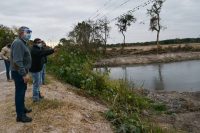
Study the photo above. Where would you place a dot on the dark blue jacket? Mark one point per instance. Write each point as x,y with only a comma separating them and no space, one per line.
20,57
37,55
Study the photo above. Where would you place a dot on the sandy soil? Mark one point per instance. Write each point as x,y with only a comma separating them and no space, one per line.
76,115
154,46
147,59
183,110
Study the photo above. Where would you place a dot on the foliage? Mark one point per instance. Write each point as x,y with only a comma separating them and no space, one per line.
81,34
123,22
72,65
154,12
6,36
67,69
89,34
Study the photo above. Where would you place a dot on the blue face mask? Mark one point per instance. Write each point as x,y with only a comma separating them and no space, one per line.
26,37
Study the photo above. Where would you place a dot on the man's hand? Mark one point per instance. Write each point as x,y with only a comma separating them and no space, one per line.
26,78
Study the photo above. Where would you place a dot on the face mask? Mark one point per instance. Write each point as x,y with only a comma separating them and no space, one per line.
26,37
39,45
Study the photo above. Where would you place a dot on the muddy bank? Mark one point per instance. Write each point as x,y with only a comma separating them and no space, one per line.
182,113
148,59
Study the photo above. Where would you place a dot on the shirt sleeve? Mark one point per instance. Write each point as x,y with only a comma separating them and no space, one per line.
18,55
3,53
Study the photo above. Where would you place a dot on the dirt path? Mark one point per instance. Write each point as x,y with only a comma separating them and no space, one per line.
62,111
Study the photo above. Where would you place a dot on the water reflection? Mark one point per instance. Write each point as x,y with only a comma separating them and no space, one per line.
181,76
158,82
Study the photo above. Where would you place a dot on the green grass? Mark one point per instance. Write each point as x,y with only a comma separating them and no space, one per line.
159,107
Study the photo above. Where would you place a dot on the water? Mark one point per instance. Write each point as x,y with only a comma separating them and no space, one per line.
180,76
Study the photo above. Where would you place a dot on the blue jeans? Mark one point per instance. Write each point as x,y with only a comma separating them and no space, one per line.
42,74
36,85
7,64
20,90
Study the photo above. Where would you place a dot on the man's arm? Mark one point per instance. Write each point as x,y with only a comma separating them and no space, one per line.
46,52
18,55
42,52
3,53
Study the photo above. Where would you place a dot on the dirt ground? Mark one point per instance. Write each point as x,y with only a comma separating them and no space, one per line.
62,111
183,111
153,46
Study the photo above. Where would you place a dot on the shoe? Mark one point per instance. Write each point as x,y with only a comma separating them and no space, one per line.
36,100
9,80
24,119
27,110
40,96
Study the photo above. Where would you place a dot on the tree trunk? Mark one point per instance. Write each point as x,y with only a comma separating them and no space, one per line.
123,45
158,33
105,49
105,43
157,41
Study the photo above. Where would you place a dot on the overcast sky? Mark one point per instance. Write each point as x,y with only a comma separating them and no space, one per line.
53,19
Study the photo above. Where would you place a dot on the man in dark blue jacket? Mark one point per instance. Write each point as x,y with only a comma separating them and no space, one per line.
20,60
37,54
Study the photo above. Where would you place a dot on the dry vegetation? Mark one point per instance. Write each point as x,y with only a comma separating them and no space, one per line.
146,50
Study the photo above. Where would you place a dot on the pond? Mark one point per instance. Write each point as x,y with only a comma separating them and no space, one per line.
179,76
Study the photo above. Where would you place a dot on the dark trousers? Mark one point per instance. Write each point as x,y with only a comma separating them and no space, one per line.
20,90
7,64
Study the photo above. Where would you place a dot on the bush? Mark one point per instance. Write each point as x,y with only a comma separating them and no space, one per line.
7,36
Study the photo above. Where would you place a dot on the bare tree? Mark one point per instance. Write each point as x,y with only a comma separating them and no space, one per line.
105,30
123,22
155,19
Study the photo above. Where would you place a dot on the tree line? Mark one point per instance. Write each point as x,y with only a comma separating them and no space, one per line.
163,42
92,35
